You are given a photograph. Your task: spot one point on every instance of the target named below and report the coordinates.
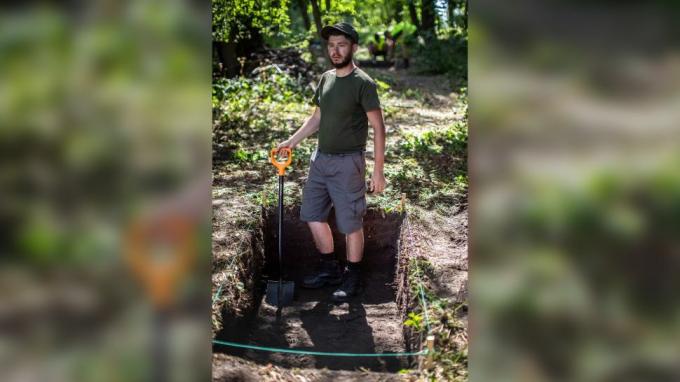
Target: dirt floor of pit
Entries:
(368, 323)
(227, 368)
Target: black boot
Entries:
(350, 286)
(326, 272)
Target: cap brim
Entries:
(325, 31)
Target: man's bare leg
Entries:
(328, 269)
(323, 237)
(355, 245)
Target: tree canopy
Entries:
(235, 21)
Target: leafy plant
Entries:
(250, 113)
(414, 321)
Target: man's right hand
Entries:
(286, 143)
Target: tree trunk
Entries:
(302, 4)
(225, 53)
(427, 15)
(451, 5)
(328, 6)
(465, 20)
(414, 14)
(396, 14)
(317, 21)
(316, 12)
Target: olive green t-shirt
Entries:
(344, 102)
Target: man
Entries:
(381, 45)
(390, 45)
(376, 47)
(404, 35)
(346, 101)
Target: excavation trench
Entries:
(368, 323)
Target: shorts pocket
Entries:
(357, 203)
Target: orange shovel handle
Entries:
(281, 165)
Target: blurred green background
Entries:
(575, 191)
(105, 115)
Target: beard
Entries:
(344, 62)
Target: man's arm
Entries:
(310, 127)
(375, 117)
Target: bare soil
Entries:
(228, 368)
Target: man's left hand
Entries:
(379, 182)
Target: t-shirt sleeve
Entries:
(369, 96)
(316, 99)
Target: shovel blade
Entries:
(287, 293)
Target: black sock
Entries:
(353, 267)
(327, 256)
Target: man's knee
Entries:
(356, 233)
(317, 224)
(351, 229)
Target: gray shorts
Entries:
(337, 180)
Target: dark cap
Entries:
(344, 28)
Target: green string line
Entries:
(424, 303)
(217, 294)
(320, 353)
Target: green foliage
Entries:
(234, 20)
(244, 156)
(341, 10)
(444, 55)
(407, 177)
(460, 14)
(451, 141)
(252, 114)
(234, 95)
(404, 30)
(415, 321)
(433, 166)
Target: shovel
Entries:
(280, 293)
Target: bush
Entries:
(450, 141)
(446, 55)
(248, 111)
(271, 86)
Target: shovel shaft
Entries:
(280, 217)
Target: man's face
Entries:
(340, 50)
